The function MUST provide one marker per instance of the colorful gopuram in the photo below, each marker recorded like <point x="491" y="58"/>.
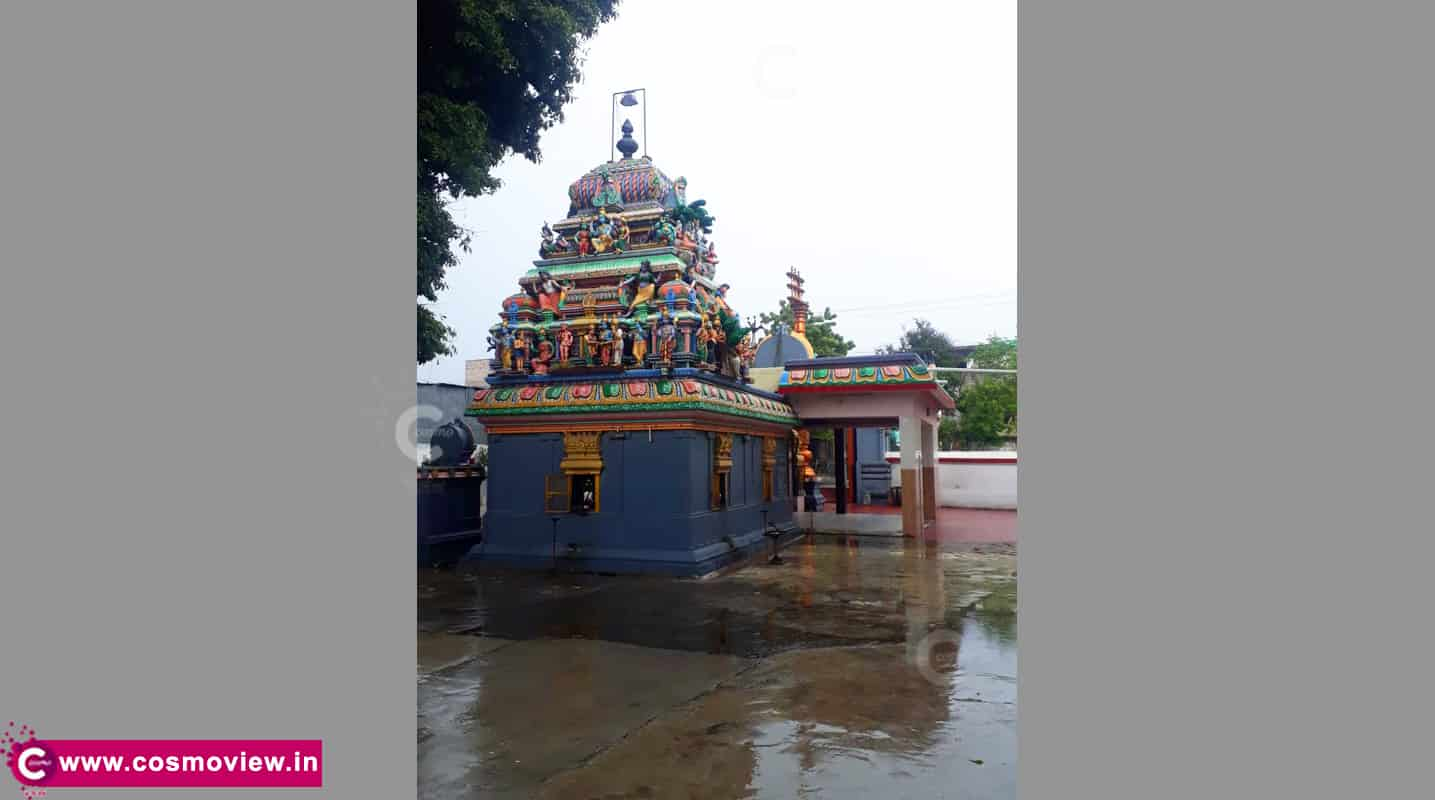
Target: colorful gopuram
<point x="622" y="434"/>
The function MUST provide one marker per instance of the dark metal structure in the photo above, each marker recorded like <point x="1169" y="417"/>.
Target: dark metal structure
<point x="451" y="444"/>
<point x="450" y="509"/>
<point x="628" y="146"/>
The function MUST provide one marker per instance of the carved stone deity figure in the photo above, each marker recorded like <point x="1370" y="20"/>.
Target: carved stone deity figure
<point x="565" y="342"/>
<point x="585" y="242"/>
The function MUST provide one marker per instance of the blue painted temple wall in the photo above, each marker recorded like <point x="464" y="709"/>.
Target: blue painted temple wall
<point x="654" y="507"/>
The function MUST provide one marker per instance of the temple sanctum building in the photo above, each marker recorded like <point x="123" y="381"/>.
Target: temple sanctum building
<point x="636" y="424"/>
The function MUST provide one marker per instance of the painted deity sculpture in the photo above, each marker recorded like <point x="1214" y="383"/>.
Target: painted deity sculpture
<point x="664" y="232"/>
<point x="608" y="193"/>
<point x="554" y="245"/>
<point x="720" y="299"/>
<point x="745" y="352"/>
<point x="621" y="233"/>
<point x="520" y="351"/>
<point x="548" y="292"/>
<point x="565" y="342"/>
<point x="708" y="338"/>
<point x="643" y="284"/>
<point x="600" y="231"/>
<point x="505" y="351"/>
<point x="605" y="343"/>
<point x="585" y="242"/>
<point x="686" y="241"/>
<point x="590" y="338"/>
<point x="667" y="334"/>
<point x="619" y="344"/>
<point x="544" y="356"/>
<point x="640" y="346"/>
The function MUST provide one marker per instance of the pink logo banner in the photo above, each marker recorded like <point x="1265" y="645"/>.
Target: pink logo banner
<point x="166" y="763"/>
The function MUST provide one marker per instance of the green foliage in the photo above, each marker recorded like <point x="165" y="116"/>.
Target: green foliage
<point x="988" y="411"/>
<point x="935" y="347"/>
<point x="492" y="75"/>
<point x="988" y="405"/>
<point x="820" y="333"/>
<point x="947" y="435"/>
<point x="435" y="338"/>
<point x="995" y="353"/>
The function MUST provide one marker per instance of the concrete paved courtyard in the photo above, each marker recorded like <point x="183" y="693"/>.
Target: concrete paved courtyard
<point x="859" y="667"/>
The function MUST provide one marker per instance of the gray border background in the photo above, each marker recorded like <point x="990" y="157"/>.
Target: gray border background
<point x="208" y="330"/>
<point x="206" y="323"/>
<point x="1225" y="259"/>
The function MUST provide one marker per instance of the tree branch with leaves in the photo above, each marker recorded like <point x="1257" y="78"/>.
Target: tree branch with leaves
<point x="821" y="331"/>
<point x="492" y="76"/>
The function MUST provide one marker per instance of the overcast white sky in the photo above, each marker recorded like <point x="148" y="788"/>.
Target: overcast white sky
<point x="872" y="146"/>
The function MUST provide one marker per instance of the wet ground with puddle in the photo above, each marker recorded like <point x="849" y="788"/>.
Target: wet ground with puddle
<point x="859" y="667"/>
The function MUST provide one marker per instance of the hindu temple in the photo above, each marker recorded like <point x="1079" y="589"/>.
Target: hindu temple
<point x="626" y="431"/>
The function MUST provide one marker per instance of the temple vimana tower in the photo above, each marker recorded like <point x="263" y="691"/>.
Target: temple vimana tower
<point x="623" y="436"/>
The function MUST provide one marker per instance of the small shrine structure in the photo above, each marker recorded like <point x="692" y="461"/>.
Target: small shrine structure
<point x="623" y="436"/>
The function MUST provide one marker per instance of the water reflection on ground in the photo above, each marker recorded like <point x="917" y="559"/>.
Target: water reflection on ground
<point x="857" y="667"/>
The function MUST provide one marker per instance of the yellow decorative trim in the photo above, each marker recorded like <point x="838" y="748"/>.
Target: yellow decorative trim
<point x="613" y="427"/>
<point x="580" y="453"/>
<point x="722" y="452"/>
<point x="804" y="454"/>
<point x="769" y="460"/>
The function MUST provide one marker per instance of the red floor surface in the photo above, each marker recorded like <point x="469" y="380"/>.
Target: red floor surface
<point x="955" y="524"/>
<point x="974" y="525"/>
